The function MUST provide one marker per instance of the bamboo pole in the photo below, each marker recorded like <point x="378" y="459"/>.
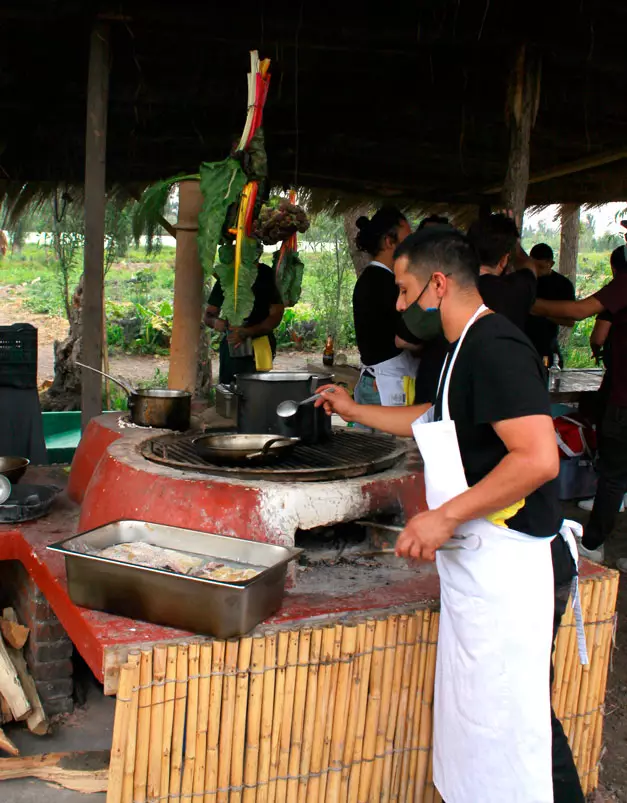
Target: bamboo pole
<point x="419" y="651"/>
<point x="353" y="701"/>
<point x="598" y="733"/>
<point x="286" y="722"/>
<point x="133" y="660"/>
<point x="328" y="731"/>
<point x="364" y="680"/>
<point x="397" y="681"/>
<point x="239" y="727"/>
<point x="574" y="674"/>
<point x="342" y="697"/>
<point x="168" y="721"/>
<point x="267" y="717"/>
<point x="321" y="712"/>
<point x="391" y="637"/>
<point x="310" y="707"/>
<point x="143" y="727"/>
<point x="178" y="726"/>
<point x="191" y="727"/>
<point x="277" y="716"/>
<point x="298" y="714"/>
<point x="155" y="752"/>
<point x="226" y="721"/>
<point x="253" y="723"/>
<point x="128" y="679"/>
<point x="568" y="634"/>
<point x="215" y="711"/>
<point x="372" y="713"/>
<point x="425" y="733"/>
<point x="204" y="691"/>
<point x="400" y="743"/>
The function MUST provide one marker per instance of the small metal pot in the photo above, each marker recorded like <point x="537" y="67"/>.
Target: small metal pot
<point x="164" y="409"/>
<point x="154" y="407"/>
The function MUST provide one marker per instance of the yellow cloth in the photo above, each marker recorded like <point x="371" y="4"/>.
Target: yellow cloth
<point x="501" y="517"/>
<point x="263" y="353"/>
<point x="409" y="386"/>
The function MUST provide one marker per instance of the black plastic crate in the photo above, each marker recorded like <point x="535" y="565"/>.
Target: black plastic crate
<point x="18" y="356"/>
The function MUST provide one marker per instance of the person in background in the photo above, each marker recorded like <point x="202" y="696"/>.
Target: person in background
<point x="432" y="220"/>
<point x="602" y="353"/>
<point x="511" y="292"/>
<point x="612" y="437"/>
<point x="543" y="332"/>
<point x="385" y="345"/>
<point x="255" y="339"/>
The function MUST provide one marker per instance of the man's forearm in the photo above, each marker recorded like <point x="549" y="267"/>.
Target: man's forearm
<point x="393" y="420"/>
<point x="511" y="481"/>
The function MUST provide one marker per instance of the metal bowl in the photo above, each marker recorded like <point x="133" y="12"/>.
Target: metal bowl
<point x="13" y="468"/>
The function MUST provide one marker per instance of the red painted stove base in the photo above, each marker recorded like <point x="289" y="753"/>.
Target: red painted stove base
<point x="93" y="633"/>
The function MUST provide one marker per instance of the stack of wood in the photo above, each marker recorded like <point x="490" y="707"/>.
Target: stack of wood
<point x="19" y="700"/>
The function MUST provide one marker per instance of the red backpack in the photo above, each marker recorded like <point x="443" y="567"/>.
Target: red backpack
<point x="576" y="436"/>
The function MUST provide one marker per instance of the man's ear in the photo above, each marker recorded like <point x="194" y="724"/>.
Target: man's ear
<point x="502" y="264"/>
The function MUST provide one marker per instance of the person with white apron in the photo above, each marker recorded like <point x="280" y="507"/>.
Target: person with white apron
<point x="385" y="345"/>
<point x="490" y="458"/>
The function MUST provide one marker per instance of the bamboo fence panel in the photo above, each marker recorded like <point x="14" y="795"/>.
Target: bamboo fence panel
<point x="339" y="713"/>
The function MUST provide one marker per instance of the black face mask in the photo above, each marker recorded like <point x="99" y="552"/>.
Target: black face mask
<point x="425" y="324"/>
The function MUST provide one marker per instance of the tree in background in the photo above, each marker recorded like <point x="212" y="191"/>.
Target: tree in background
<point x="66" y="237"/>
<point x="330" y="277"/>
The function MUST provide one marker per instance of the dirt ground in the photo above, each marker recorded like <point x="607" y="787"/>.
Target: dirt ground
<point x="128" y="366"/>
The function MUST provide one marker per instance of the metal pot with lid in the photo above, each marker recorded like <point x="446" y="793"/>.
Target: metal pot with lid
<point x="259" y="394"/>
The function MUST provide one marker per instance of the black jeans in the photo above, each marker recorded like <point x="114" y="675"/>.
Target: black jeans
<point x="612" y="469"/>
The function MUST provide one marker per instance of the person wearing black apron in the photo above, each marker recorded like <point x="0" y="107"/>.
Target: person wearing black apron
<point x="490" y="463"/>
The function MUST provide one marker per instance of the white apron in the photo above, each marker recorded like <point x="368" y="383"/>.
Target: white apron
<point x="492" y="709"/>
<point x="390" y="374"/>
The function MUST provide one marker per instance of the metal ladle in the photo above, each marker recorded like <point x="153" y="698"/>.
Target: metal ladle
<point x="288" y="408"/>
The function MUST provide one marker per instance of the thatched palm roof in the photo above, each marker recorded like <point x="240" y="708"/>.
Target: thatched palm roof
<point x="405" y="101"/>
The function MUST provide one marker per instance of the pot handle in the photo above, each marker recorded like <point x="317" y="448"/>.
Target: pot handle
<point x="267" y="446"/>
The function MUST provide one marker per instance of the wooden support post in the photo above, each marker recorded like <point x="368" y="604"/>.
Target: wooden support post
<point x="522" y="108"/>
<point x="95" y="203"/>
<point x="188" y="291"/>
<point x="569" y="241"/>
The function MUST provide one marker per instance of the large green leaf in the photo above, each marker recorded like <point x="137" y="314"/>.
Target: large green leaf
<point x="225" y="269"/>
<point x="290" y="278"/>
<point x="221" y="184"/>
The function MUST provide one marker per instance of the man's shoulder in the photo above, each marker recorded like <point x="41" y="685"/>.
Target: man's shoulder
<point x="495" y="329"/>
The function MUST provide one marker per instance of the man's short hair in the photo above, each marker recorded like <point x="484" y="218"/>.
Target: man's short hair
<point x="542" y="251"/>
<point x="432" y="220"/>
<point x="494" y="237"/>
<point x="443" y="249"/>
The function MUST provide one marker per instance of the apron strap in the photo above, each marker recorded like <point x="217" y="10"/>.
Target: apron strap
<point x="568" y="532"/>
<point x="446" y="374"/>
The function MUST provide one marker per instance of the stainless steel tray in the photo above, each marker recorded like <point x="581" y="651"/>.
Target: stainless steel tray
<point x="204" y="606"/>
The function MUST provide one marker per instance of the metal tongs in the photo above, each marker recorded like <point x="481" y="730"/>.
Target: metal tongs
<point x="471" y="542"/>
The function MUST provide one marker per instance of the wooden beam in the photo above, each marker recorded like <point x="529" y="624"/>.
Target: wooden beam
<point x="86" y="772"/>
<point x="95" y="203"/>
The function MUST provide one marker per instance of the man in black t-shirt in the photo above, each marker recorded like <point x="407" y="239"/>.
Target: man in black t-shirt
<point x="552" y="286"/>
<point x="503" y="436"/>
<point x="265" y="316"/>
<point x="507" y="277"/>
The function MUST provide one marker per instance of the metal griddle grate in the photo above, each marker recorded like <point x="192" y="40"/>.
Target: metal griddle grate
<point x="347" y="454"/>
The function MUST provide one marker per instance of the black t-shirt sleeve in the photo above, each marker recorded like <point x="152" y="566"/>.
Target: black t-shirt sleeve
<point x="216" y="297"/>
<point x="508" y="382"/>
<point x="569" y="290"/>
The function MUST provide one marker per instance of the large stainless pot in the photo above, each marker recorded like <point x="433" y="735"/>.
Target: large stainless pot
<point x="259" y="394"/>
<point x="154" y="407"/>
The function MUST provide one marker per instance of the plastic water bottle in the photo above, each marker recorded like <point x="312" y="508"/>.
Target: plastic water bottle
<point x="555" y="375"/>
